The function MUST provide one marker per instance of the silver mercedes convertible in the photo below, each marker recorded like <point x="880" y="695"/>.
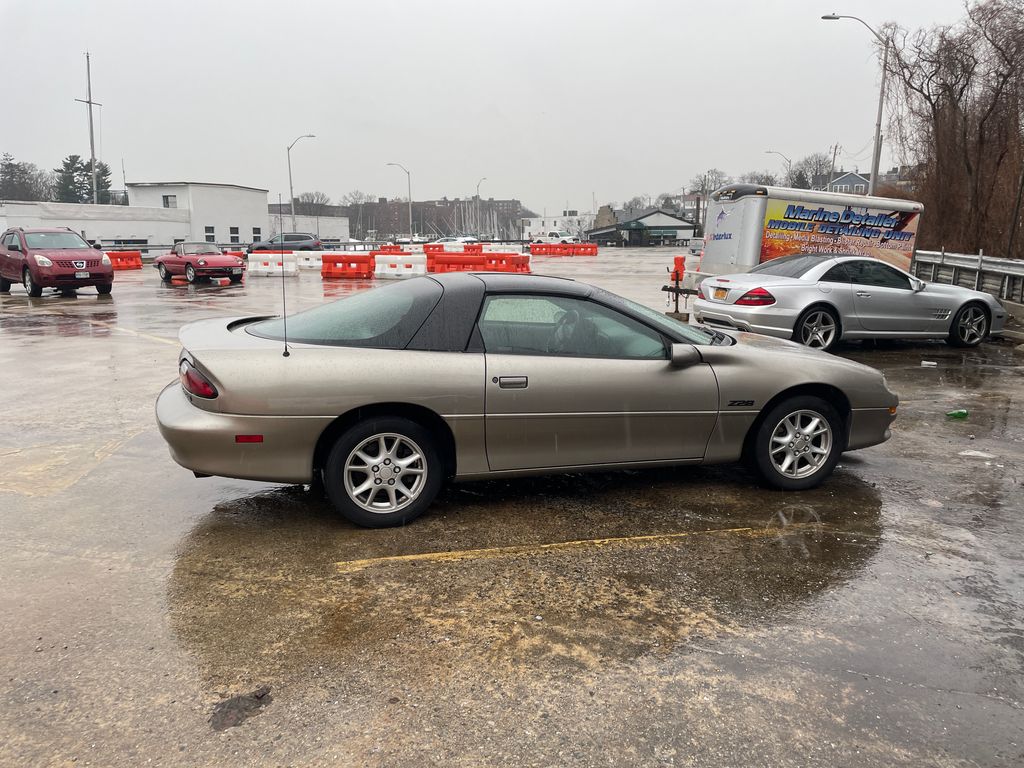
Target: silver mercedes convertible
<point x="388" y="393"/>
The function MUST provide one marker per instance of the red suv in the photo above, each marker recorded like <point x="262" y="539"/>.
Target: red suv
<point x="51" y="258"/>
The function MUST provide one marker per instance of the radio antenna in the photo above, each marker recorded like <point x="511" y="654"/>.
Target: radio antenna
<point x="284" y="297"/>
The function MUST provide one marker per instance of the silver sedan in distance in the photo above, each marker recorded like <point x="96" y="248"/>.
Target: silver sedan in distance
<point x="819" y="299"/>
<point x="388" y="393"/>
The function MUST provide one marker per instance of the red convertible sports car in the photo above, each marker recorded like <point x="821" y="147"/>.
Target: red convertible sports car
<point x="199" y="260"/>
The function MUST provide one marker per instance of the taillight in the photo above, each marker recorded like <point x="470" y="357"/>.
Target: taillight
<point x="194" y="382"/>
<point x="758" y="297"/>
<point x="700" y="291"/>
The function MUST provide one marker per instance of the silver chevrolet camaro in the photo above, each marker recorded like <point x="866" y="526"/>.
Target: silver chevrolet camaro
<point x="818" y="299"/>
<point x="388" y="393"/>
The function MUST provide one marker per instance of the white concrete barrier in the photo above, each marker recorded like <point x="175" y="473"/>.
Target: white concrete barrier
<point x="272" y="264"/>
<point x="395" y="266"/>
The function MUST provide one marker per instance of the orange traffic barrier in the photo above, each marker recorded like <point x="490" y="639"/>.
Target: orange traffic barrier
<point x="473" y="248"/>
<point x="584" y="249"/>
<point x="125" y="259"/>
<point x="433" y="248"/>
<point x="390" y="249"/>
<point x="459" y="262"/>
<point x="678" y="267"/>
<point x="507" y="262"/>
<point x="348" y="266"/>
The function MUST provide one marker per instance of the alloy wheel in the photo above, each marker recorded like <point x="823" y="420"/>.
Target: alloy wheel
<point x="385" y="473"/>
<point x="818" y="330"/>
<point x="190" y="273"/>
<point x="972" y="325"/>
<point x="800" y="444"/>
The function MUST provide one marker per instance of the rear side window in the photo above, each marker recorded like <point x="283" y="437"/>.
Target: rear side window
<point x="790" y="266"/>
<point x="837" y="274"/>
<point x="295" y="238"/>
<point x="383" y="318"/>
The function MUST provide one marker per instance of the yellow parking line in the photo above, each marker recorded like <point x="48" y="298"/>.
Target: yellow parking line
<point x="352" y="566"/>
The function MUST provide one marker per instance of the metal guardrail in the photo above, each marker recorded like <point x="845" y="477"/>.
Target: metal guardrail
<point x="1002" y="278"/>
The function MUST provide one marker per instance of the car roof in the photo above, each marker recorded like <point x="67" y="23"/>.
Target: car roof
<point x="504" y="282"/>
<point x="41" y="230"/>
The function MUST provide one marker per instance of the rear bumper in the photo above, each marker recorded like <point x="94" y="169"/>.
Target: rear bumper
<point x="204" y="442"/>
<point x="771" y="321"/>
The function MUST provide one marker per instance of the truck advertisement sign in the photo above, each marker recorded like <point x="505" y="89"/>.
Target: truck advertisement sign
<point x="812" y="228"/>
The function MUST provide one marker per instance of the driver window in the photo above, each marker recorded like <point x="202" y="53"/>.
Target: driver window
<point x="564" y="327"/>
<point x="877" y="274"/>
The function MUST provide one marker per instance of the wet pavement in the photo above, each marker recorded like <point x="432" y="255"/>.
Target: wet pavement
<point x="665" y="617"/>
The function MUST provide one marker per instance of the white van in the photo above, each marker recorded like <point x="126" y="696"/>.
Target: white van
<point x="748" y="224"/>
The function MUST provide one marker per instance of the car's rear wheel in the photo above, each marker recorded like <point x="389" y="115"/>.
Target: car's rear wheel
<point x="103" y="290"/>
<point x="383" y="472"/>
<point x="818" y="327"/>
<point x="798" y="443"/>
<point x="33" y="290"/>
<point x="235" y="278"/>
<point x="190" y="273"/>
<point x="165" y="274"/>
<point x="969" y="327"/>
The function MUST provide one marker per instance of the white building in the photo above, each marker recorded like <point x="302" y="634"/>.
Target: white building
<point x="573" y="222"/>
<point x="161" y="214"/>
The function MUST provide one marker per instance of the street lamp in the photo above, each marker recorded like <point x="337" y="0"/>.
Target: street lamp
<point x="291" y="192"/>
<point x="483" y="179"/>
<point x="408" y="178"/>
<point x="877" y="156"/>
<point x="789" y="164"/>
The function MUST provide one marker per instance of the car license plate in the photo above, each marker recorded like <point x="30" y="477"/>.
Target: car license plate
<point x="721" y="293"/>
<point x="81" y="275"/>
<point x="236" y="271"/>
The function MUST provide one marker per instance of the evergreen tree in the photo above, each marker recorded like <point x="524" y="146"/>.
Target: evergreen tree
<point x="69" y="180"/>
<point x="102" y="182"/>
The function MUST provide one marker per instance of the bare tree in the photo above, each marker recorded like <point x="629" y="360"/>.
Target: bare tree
<point x="703" y="185"/>
<point x="312" y="203"/>
<point x="355" y="197"/>
<point x="957" y="114"/>
<point x="766" y="178"/>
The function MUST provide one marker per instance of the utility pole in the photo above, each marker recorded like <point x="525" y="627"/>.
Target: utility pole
<point x="92" y="141"/>
<point x="832" y="170"/>
<point x="291" y="190"/>
<point x="408" y="181"/>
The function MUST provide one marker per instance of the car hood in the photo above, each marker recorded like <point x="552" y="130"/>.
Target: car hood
<point x="67" y="254"/>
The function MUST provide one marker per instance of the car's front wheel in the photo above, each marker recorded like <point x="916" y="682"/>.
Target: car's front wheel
<point x="104" y="290"/>
<point x="5" y="285"/>
<point x="383" y="472"/>
<point x="165" y="274"/>
<point x="190" y="273"/>
<point x="798" y="443"/>
<point x="818" y="328"/>
<point x="33" y="290"/>
<point x="969" y="328"/>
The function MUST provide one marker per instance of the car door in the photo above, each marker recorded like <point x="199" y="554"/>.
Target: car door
<point x="573" y="383"/>
<point x="14" y="260"/>
<point x="885" y="300"/>
<point x="838" y="289"/>
<point x="5" y="258"/>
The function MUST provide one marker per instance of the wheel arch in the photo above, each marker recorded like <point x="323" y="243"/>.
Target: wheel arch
<point x="421" y="415"/>
<point x="827" y="392"/>
<point x="977" y="303"/>
<point x="821" y="304"/>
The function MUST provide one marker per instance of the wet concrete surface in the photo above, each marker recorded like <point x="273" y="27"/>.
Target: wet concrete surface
<point x="667" y="617"/>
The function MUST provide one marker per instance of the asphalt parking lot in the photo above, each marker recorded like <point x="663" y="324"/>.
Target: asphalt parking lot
<point x="665" y="617"/>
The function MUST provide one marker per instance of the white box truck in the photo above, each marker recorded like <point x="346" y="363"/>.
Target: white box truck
<point x="748" y="224"/>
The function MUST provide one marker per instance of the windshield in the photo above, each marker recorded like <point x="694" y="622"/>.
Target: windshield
<point x="791" y="266"/>
<point x="196" y="249"/>
<point x="55" y="241"/>
<point x="384" y="318"/>
<point x="690" y="333"/>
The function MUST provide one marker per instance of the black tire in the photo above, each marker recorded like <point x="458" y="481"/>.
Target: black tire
<point x="801" y="409"/>
<point x="104" y="290"/>
<point x="190" y="273"/>
<point x="812" y="328"/>
<point x="5" y="285"/>
<point x="33" y="290"/>
<point x="354" y="506"/>
<point x="165" y="273"/>
<point x="969" y="327"/>
<point x="235" y="278"/>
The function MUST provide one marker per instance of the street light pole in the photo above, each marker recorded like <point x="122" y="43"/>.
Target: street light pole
<point x="789" y="164"/>
<point x="408" y="179"/>
<point x="876" y="157"/>
<point x="483" y="179"/>
<point x="291" y="192"/>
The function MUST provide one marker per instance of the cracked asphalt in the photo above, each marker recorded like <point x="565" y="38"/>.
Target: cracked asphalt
<point x="667" y="617"/>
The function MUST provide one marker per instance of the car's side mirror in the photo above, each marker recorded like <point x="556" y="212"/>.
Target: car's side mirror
<point x="917" y="285"/>
<point x="684" y="355"/>
<point x="98" y="246"/>
<point x="15" y="246"/>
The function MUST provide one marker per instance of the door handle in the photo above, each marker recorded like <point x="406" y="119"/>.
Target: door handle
<point x="864" y="294"/>
<point x="513" y="382"/>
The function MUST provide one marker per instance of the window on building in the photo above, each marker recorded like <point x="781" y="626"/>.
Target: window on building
<point x="257" y="234"/>
<point x="210" y="230"/>
<point x="860" y="189"/>
<point x="211" y="238"/>
<point x="232" y="230"/>
<point x="170" y="201"/>
<point x="233" y="238"/>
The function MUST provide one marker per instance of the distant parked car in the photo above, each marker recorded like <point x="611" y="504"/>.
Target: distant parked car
<point x="197" y="261"/>
<point x="556" y="236"/>
<point x="817" y="299"/>
<point x="456" y="240"/>
<point x="52" y="258"/>
<point x="289" y="241"/>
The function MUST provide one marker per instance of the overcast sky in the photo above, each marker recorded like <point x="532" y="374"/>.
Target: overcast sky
<point x="555" y="102"/>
